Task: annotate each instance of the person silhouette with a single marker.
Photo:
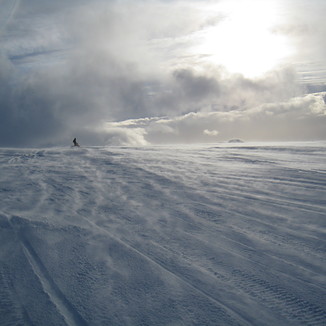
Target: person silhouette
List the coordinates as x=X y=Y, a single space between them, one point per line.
x=75 y=142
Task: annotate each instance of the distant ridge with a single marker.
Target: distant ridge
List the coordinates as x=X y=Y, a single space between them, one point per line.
x=235 y=141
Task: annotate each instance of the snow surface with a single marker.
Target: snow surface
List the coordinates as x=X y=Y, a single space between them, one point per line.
x=230 y=234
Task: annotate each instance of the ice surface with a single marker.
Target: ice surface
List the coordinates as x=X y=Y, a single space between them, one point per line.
x=230 y=234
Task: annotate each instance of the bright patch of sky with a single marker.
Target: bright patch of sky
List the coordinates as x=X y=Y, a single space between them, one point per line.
x=244 y=41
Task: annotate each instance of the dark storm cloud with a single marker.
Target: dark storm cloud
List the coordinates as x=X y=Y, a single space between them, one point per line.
x=214 y=89
x=25 y=116
x=195 y=87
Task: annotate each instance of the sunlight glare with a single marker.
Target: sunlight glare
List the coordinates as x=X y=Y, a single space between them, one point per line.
x=243 y=41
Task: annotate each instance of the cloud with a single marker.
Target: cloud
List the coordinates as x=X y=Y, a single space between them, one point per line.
x=110 y=75
x=116 y=136
x=198 y=107
x=299 y=118
x=25 y=116
x=304 y=26
x=210 y=132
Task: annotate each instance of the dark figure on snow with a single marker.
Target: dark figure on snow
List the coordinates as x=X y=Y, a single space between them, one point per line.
x=75 y=142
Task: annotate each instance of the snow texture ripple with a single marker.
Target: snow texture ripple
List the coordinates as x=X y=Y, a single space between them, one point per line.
x=231 y=234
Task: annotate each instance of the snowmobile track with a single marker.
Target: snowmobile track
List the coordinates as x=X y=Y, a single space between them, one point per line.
x=64 y=307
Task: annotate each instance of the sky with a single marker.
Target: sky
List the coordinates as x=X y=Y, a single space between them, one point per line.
x=147 y=72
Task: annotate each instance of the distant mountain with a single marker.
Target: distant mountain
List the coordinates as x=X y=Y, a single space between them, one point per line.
x=235 y=141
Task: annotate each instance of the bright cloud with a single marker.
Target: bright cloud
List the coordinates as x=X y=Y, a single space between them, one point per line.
x=210 y=132
x=288 y=120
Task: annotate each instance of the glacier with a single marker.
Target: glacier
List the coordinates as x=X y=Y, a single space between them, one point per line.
x=214 y=234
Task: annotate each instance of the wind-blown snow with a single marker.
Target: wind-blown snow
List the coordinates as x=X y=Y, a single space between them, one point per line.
x=232 y=234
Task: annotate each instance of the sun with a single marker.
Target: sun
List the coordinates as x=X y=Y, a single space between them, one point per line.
x=243 y=41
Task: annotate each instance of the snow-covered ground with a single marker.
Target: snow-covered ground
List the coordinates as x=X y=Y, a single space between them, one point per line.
x=226 y=234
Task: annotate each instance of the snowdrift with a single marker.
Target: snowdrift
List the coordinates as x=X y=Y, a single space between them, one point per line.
x=232 y=234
